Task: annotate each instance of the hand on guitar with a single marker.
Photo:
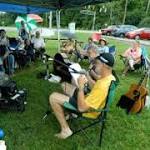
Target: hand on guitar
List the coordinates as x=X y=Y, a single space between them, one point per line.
x=82 y=81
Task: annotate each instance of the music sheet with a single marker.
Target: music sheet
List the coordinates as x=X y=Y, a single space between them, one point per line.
x=75 y=76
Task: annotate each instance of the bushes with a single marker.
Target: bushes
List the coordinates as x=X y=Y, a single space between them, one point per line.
x=145 y=22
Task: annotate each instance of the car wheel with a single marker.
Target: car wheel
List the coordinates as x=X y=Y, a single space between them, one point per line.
x=108 y=33
x=122 y=35
x=137 y=37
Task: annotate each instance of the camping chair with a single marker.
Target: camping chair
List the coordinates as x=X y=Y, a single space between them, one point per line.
x=100 y=119
x=142 y=65
x=112 y=50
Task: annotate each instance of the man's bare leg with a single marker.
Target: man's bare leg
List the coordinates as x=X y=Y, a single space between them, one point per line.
x=56 y=100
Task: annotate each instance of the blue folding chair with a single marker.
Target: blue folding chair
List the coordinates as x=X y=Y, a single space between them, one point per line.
x=112 y=50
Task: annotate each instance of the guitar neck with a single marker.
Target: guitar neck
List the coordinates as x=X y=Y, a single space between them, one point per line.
x=142 y=79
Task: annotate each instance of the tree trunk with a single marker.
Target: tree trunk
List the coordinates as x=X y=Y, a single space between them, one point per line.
x=148 y=5
x=125 y=12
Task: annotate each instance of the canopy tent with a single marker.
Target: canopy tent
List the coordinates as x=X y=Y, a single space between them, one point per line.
x=41 y=6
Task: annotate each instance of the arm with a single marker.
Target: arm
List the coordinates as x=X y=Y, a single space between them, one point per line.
x=82 y=106
x=106 y=49
x=126 y=53
x=6 y=53
x=43 y=43
x=94 y=75
x=91 y=82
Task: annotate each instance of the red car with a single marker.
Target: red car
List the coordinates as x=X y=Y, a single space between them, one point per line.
x=108 y=30
x=142 y=33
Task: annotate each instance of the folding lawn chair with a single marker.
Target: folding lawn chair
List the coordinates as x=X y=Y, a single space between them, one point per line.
x=100 y=119
x=112 y=50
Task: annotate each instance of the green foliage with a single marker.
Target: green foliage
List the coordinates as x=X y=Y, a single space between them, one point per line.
x=145 y=22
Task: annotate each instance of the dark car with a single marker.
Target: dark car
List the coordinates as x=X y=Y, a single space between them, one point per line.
x=142 y=33
x=109 y=30
x=123 y=29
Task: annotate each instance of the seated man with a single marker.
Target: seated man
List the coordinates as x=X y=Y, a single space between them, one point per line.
x=92 y=53
x=95 y=99
x=132 y=56
x=38 y=44
x=86 y=47
x=8 y=58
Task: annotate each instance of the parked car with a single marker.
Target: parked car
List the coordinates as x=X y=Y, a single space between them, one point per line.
x=142 y=33
x=109 y=30
x=123 y=29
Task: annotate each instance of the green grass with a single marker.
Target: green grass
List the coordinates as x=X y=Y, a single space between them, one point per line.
x=26 y=131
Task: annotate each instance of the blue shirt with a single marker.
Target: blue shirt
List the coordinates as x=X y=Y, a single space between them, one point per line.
x=104 y=49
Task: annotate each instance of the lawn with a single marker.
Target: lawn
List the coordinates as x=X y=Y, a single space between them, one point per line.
x=26 y=131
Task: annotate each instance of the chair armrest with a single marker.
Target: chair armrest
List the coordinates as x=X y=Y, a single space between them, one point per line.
x=67 y=105
x=97 y=110
x=121 y=56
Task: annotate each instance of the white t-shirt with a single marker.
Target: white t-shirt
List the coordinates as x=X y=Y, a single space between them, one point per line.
x=38 y=42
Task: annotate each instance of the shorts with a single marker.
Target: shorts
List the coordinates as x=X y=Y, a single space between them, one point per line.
x=73 y=99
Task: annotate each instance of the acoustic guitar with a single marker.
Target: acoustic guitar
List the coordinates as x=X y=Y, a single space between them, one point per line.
x=134 y=100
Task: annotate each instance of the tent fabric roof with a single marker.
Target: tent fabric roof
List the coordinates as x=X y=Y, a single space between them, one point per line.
x=39 y=6
x=21 y=8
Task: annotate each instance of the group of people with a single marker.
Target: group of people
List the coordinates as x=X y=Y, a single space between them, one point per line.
x=132 y=56
x=17 y=52
x=74 y=47
x=98 y=78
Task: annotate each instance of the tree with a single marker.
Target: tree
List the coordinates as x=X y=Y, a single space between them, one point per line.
x=125 y=12
x=148 y=5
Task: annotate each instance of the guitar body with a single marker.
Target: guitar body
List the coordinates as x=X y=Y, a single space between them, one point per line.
x=137 y=93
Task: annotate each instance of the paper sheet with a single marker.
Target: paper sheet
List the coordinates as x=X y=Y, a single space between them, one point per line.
x=75 y=76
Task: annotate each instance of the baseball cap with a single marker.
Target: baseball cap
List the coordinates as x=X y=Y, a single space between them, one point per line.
x=107 y=59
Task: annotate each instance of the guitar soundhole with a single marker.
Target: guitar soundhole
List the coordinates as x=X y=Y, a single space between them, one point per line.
x=136 y=94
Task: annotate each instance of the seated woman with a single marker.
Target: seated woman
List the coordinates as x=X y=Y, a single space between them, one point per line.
x=29 y=50
x=103 y=48
x=67 y=47
x=132 y=56
x=84 y=51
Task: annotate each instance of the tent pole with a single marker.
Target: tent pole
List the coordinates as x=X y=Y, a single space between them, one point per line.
x=58 y=27
x=50 y=19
